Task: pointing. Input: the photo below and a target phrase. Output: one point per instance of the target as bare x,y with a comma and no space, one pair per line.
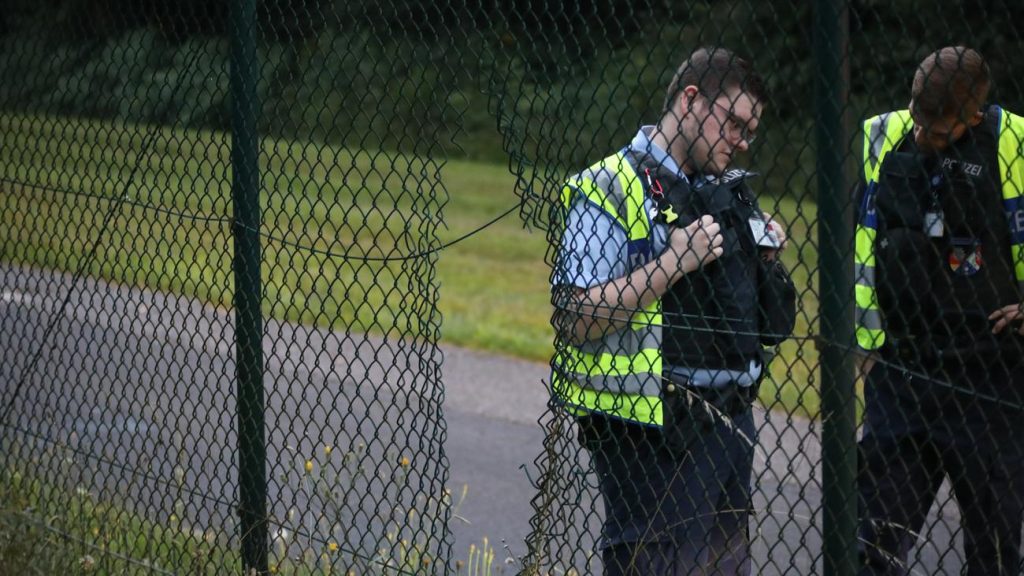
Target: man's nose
736,140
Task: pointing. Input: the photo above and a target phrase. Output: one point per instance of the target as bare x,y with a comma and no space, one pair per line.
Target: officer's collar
653,155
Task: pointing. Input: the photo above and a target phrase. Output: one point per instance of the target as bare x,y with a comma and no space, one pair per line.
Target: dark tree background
554,81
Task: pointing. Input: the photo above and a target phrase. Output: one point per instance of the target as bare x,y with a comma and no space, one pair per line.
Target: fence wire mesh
691,385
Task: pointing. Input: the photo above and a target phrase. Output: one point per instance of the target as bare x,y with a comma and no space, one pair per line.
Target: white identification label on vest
765,236
934,224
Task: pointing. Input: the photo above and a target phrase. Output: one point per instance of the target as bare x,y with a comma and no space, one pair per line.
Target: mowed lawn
345,235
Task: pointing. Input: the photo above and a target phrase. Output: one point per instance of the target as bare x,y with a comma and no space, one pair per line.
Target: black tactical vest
711,316
939,277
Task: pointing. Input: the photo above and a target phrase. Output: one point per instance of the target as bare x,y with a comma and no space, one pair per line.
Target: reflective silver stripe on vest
870,319
624,342
642,384
866,317
865,275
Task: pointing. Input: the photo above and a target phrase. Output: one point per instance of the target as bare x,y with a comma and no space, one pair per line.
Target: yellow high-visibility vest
620,374
883,134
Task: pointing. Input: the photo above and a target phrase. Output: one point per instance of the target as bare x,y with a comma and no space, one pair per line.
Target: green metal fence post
252,483
838,399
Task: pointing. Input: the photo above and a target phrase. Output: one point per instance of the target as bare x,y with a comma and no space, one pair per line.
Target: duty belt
703,401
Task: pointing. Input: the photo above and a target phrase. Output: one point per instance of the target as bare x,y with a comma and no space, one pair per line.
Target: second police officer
940,267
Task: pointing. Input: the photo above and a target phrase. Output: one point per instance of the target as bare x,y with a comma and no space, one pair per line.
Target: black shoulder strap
993,115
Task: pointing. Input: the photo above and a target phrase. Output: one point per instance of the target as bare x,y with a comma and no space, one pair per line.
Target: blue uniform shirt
594,247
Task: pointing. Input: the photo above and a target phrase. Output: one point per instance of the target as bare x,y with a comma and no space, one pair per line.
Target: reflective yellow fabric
869,338
580,401
607,364
865,297
575,366
865,249
1011,170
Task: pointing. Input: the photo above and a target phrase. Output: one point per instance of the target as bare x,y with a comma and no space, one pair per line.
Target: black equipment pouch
690,412
686,416
776,298
681,204
776,293
719,199
909,264
903,190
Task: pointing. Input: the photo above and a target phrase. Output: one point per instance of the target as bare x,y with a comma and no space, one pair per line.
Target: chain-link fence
227,265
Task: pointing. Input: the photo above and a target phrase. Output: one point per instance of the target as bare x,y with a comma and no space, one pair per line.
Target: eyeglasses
734,124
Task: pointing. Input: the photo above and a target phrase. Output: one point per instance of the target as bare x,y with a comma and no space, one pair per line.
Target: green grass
493,286
54,530
47,529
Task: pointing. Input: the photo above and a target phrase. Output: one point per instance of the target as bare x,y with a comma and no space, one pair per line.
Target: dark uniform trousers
918,431
672,512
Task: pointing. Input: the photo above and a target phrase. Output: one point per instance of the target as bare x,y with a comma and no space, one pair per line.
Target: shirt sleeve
592,249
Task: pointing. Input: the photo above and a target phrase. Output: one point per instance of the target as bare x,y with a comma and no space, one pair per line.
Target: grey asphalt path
133,399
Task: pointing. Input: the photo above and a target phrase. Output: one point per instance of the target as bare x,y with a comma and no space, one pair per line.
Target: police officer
665,268
939,273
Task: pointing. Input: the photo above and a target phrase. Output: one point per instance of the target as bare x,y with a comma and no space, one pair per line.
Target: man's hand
1005,316
696,245
610,306
780,233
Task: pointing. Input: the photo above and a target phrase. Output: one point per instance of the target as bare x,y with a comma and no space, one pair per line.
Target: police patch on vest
1015,216
639,252
965,257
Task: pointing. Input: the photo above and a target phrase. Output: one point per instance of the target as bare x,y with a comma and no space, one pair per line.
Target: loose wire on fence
89,256
119,466
413,256
196,217
150,567
851,348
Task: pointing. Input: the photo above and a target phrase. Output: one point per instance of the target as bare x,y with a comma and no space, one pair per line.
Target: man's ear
976,119
686,96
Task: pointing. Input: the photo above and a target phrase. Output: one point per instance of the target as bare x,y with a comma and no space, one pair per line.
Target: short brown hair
950,81
714,70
